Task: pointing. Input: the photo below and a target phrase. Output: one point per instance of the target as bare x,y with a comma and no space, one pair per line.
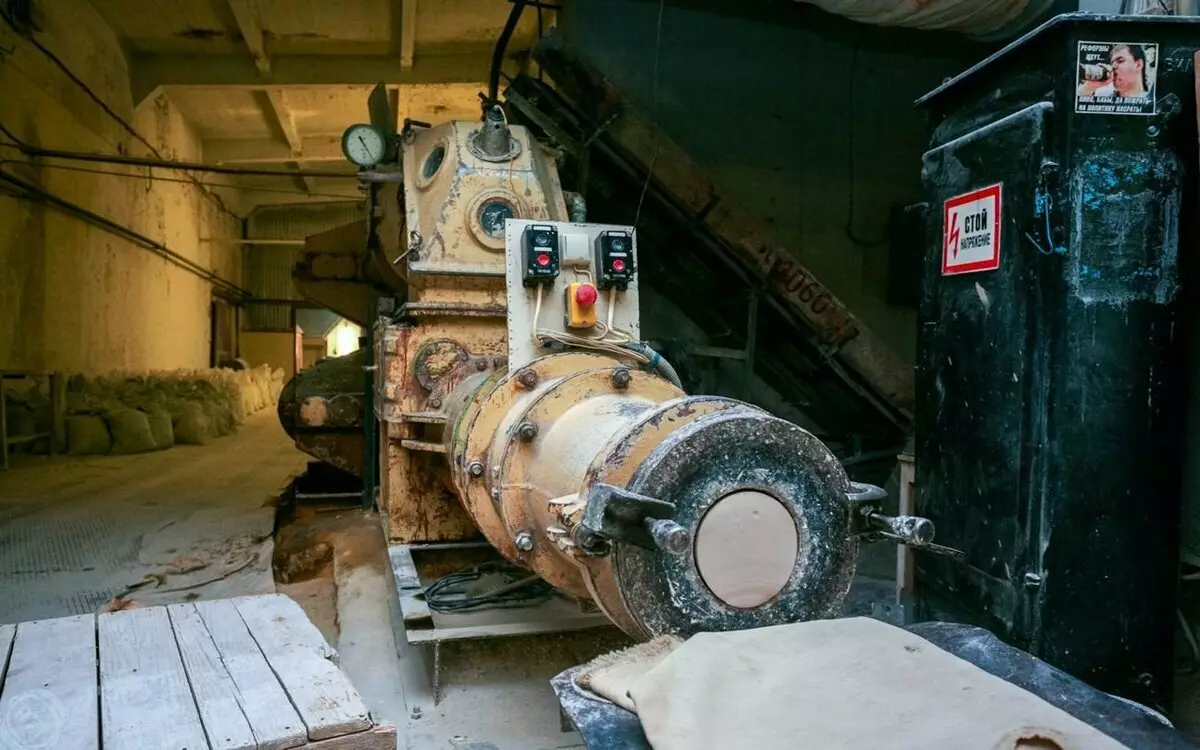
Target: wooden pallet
250,672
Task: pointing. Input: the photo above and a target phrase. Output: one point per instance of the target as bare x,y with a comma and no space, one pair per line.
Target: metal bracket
619,515
915,532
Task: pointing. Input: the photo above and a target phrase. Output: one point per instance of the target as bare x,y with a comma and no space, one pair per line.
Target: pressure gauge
364,145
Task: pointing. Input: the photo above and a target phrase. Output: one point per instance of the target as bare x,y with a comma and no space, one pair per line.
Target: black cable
103,105
465,590
506,33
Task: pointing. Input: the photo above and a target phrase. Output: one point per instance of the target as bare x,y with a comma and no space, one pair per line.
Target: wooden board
263,701
145,698
213,688
51,686
219,675
304,664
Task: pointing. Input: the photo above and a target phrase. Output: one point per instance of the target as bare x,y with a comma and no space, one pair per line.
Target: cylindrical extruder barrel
674,513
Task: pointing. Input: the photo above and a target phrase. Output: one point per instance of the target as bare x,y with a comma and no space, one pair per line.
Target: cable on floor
467,590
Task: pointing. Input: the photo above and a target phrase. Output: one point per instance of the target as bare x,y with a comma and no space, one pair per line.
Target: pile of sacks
120,414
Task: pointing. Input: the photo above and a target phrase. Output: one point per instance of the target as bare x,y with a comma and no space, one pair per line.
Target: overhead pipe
980,19
33,192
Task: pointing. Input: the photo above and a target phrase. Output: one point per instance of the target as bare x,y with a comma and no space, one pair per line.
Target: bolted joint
475,468
620,378
435,403
527,378
481,364
527,430
523,541
669,536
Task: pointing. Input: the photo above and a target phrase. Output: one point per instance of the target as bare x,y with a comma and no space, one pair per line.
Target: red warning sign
971,239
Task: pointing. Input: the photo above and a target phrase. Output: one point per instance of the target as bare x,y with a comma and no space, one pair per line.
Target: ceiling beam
313,148
277,110
408,32
246,13
151,71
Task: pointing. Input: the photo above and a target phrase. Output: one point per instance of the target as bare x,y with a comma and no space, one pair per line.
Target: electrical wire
653,110
156,178
466,590
79,82
609,340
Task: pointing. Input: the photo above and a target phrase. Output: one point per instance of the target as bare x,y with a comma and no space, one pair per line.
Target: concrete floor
192,522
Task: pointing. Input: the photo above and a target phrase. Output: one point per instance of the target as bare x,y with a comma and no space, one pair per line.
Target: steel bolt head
669,536
528,378
481,364
496,493
475,468
435,403
523,541
620,378
527,430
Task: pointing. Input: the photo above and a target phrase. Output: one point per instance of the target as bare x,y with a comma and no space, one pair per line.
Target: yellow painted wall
275,349
73,296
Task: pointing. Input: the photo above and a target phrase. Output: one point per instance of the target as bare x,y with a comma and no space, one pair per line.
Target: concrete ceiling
274,83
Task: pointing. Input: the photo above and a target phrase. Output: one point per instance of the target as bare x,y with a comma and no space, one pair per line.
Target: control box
614,258
585,277
540,254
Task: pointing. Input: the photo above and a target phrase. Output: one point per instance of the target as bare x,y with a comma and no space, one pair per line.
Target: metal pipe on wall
29,191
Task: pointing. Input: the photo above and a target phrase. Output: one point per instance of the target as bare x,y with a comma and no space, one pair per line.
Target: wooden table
250,672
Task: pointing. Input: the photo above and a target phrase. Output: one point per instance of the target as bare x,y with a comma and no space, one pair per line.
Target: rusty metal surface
335,410
573,417
478,428
615,464
420,504
341,449
444,235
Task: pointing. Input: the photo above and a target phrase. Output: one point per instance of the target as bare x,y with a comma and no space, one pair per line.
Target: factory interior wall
277,349
74,297
805,118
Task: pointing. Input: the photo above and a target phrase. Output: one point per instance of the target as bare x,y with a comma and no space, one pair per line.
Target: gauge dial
364,145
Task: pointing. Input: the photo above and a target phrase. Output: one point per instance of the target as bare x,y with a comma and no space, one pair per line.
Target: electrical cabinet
1061,197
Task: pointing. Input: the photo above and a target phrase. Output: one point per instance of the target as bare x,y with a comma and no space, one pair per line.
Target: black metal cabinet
1049,398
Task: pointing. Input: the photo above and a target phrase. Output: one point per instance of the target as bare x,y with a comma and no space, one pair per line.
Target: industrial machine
515,399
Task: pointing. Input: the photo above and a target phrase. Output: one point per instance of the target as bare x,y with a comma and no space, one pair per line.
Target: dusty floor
188,523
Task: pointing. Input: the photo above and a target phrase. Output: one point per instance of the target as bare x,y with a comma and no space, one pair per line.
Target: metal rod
236,241
31,191
184,166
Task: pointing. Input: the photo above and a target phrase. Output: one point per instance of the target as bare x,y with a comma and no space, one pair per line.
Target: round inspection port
746,547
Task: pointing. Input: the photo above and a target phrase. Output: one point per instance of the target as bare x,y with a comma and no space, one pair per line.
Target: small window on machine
433,162
492,216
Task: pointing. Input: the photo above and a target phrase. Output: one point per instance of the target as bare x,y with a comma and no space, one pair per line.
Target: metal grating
268,268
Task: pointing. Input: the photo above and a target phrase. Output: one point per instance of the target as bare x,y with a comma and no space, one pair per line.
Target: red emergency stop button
618,264
543,259
585,295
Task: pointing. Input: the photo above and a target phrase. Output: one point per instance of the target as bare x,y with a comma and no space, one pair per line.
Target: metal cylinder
614,485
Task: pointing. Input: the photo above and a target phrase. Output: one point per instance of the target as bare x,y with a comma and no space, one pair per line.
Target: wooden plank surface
49,696
213,688
303,662
263,701
145,698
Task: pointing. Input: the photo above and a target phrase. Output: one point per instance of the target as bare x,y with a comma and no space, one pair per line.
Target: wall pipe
29,191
